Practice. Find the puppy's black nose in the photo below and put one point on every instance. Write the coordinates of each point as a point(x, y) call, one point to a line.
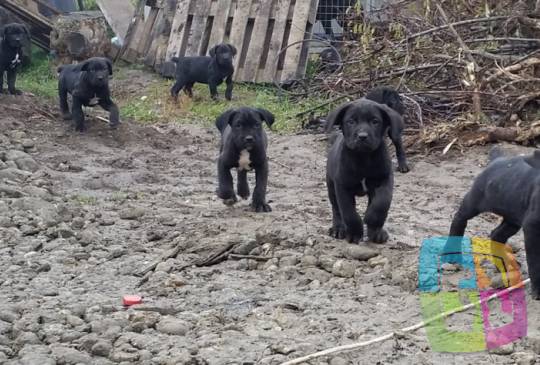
point(361, 136)
point(249, 139)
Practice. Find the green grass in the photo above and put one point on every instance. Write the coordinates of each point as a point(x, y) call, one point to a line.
point(156, 105)
point(153, 103)
point(38, 78)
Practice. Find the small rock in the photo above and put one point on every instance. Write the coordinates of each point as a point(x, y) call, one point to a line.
point(245, 248)
point(172, 326)
point(101, 348)
point(309, 261)
point(153, 236)
point(10, 192)
point(27, 164)
point(359, 252)
point(64, 231)
point(13, 155)
point(533, 340)
point(378, 261)
point(8, 316)
point(449, 267)
point(339, 361)
point(77, 223)
point(27, 143)
point(88, 237)
point(68, 355)
point(344, 268)
point(503, 350)
point(524, 358)
point(131, 213)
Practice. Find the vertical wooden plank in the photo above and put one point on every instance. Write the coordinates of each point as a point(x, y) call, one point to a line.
point(240, 20)
point(292, 58)
point(282, 9)
point(304, 54)
point(178, 29)
point(200, 17)
point(150, 54)
point(118, 14)
point(146, 34)
point(220, 22)
point(256, 44)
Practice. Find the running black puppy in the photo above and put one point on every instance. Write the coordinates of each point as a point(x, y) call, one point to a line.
point(243, 146)
point(359, 164)
point(211, 70)
point(389, 96)
point(88, 84)
point(509, 187)
point(12, 39)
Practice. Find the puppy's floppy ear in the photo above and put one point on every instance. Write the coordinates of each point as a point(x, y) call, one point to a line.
point(393, 120)
point(233, 49)
point(84, 66)
point(225, 119)
point(213, 51)
point(335, 117)
point(109, 66)
point(27, 31)
point(266, 116)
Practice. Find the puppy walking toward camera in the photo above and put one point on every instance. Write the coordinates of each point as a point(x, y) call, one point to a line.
point(390, 97)
point(359, 164)
point(211, 70)
point(243, 146)
point(12, 39)
point(88, 84)
point(509, 187)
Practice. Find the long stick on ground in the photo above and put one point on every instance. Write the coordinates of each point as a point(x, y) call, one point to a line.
point(354, 346)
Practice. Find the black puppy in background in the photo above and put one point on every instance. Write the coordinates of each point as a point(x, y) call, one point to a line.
point(88, 84)
point(359, 164)
point(390, 97)
point(509, 187)
point(243, 146)
point(12, 39)
point(211, 70)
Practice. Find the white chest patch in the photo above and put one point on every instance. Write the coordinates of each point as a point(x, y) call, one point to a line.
point(16, 61)
point(94, 101)
point(244, 161)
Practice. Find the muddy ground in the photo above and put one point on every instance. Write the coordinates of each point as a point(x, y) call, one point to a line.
point(82, 215)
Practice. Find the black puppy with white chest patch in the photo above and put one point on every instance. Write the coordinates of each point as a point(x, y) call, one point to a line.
point(390, 97)
point(243, 146)
point(211, 70)
point(510, 188)
point(12, 39)
point(359, 164)
point(88, 84)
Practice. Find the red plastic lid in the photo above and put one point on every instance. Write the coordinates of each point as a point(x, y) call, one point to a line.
point(128, 300)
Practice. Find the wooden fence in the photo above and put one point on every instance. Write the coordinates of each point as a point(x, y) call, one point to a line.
point(259, 29)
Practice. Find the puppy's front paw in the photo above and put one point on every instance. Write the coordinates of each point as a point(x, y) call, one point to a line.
point(337, 231)
point(377, 235)
point(66, 116)
point(403, 168)
point(261, 207)
point(15, 92)
point(230, 201)
point(243, 192)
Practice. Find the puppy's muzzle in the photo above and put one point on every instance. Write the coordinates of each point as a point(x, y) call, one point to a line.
point(361, 137)
point(249, 141)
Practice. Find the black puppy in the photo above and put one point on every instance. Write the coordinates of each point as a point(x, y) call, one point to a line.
point(389, 96)
point(88, 84)
point(12, 39)
point(211, 70)
point(243, 145)
point(509, 187)
point(359, 164)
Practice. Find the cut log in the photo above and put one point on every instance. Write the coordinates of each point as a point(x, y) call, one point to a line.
point(78, 36)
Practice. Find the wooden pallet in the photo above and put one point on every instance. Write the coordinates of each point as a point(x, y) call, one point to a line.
point(259, 29)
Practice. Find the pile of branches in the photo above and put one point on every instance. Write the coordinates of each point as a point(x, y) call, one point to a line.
point(461, 65)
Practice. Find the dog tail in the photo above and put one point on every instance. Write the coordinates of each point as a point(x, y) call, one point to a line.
point(495, 153)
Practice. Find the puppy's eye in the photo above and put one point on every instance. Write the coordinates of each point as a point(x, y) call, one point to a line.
point(375, 121)
point(350, 121)
point(238, 126)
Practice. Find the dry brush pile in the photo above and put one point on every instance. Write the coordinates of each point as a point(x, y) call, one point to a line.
point(469, 70)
